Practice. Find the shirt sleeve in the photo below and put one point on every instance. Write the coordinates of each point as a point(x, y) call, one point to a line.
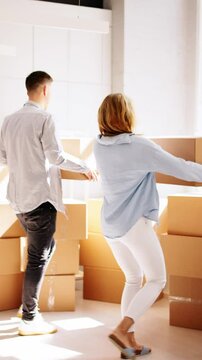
point(166, 163)
point(54, 153)
point(3, 158)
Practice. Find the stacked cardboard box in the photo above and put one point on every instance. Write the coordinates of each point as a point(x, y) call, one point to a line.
point(58, 293)
point(58, 289)
point(182, 247)
point(80, 147)
point(3, 172)
point(11, 278)
point(103, 279)
point(186, 302)
point(162, 225)
point(10, 227)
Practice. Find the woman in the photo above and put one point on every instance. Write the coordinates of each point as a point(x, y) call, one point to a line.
point(127, 163)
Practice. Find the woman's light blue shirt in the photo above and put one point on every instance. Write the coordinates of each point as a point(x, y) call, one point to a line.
point(127, 164)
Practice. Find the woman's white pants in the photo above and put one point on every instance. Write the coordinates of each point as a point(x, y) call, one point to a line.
point(139, 253)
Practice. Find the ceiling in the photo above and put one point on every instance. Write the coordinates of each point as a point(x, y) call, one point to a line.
point(88, 3)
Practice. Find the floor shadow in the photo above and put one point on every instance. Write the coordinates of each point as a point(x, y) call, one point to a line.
point(9, 333)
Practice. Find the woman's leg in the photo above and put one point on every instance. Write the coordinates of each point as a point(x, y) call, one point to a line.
point(131, 269)
point(143, 243)
point(144, 253)
point(133, 282)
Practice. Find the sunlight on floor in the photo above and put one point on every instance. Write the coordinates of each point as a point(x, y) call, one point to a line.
point(15, 349)
point(12, 320)
point(6, 327)
point(77, 324)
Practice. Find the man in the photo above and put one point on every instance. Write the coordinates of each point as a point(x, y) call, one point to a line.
point(27, 141)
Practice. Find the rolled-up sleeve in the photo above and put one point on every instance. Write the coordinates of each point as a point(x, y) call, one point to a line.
point(54, 153)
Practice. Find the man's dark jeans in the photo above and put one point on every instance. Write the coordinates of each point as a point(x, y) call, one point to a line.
point(39, 225)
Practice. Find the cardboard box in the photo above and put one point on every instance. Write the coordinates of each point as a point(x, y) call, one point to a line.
point(10, 227)
point(186, 148)
point(103, 284)
point(185, 287)
point(185, 306)
point(11, 291)
point(58, 293)
point(65, 259)
point(80, 147)
point(9, 256)
point(71, 226)
point(94, 215)
point(186, 314)
point(182, 255)
point(3, 172)
point(74, 224)
point(162, 225)
point(71, 175)
point(184, 215)
point(96, 252)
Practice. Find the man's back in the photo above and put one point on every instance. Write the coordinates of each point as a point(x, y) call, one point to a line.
point(22, 134)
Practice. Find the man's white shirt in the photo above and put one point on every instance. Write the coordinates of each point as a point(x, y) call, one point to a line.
point(30, 148)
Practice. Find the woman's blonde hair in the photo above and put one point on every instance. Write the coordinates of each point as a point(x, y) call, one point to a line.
point(116, 115)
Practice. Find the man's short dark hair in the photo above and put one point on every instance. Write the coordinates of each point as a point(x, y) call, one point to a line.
point(35, 79)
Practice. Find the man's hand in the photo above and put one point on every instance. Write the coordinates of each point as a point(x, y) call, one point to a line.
point(92, 175)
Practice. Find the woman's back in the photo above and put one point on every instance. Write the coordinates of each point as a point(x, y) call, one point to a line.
point(125, 164)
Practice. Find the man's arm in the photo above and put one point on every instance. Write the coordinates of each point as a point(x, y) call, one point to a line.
point(54, 153)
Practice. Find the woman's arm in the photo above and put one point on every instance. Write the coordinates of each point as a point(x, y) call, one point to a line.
point(166, 163)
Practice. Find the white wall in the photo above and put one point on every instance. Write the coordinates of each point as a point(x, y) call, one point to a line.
point(34, 35)
point(16, 54)
point(158, 70)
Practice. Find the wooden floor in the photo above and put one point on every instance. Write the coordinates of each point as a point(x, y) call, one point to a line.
point(83, 335)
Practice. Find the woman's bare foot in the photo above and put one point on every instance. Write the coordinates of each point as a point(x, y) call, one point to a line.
point(121, 333)
point(123, 339)
point(132, 341)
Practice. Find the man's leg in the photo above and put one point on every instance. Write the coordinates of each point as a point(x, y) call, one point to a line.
point(40, 227)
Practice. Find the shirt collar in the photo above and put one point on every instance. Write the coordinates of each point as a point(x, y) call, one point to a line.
point(33, 103)
point(123, 138)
